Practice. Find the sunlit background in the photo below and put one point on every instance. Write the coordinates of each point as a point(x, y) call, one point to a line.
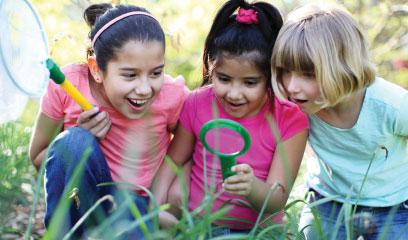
point(186, 23)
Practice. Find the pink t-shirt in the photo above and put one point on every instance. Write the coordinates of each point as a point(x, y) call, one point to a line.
point(134, 149)
point(202, 106)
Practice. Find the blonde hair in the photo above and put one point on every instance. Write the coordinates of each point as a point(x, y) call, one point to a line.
point(323, 41)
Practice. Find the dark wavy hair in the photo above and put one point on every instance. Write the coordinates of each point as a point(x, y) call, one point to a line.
point(137, 27)
point(232, 38)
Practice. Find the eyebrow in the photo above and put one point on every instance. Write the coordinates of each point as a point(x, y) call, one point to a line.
point(245, 78)
point(133, 69)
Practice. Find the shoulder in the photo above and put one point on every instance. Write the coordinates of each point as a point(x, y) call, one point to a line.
point(289, 118)
point(172, 93)
point(285, 108)
point(387, 93)
point(175, 84)
point(75, 73)
point(202, 94)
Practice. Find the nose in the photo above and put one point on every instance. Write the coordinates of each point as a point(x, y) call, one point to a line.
point(292, 83)
point(143, 88)
point(234, 93)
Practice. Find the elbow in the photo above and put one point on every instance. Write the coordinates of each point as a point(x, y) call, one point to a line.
point(34, 158)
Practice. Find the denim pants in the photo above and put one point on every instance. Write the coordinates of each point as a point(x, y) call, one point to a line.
point(74, 167)
point(368, 222)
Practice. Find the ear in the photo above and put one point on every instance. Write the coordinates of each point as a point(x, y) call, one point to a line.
point(94, 69)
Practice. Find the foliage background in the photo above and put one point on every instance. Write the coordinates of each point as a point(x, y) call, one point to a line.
point(186, 24)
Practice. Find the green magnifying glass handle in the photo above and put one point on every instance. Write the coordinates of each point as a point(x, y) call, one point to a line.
point(226, 164)
point(227, 160)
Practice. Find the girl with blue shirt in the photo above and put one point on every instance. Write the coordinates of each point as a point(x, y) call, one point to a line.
point(358, 125)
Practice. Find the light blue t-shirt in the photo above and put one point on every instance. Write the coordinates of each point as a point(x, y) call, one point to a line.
point(379, 137)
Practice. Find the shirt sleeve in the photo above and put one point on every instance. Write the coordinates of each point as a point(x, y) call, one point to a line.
point(186, 116)
point(179, 94)
point(52, 101)
point(401, 122)
point(292, 121)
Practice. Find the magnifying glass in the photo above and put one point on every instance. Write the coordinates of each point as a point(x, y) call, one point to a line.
point(227, 160)
point(25, 66)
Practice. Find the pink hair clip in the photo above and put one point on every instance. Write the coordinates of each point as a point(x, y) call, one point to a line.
point(247, 16)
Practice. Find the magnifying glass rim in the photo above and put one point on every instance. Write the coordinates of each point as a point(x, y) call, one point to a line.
point(44, 38)
point(232, 125)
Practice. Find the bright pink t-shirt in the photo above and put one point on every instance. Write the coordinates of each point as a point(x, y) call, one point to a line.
point(134, 149)
point(202, 106)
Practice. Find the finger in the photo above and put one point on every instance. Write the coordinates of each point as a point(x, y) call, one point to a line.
point(236, 179)
point(101, 133)
point(86, 115)
point(242, 168)
point(240, 188)
point(102, 128)
point(94, 121)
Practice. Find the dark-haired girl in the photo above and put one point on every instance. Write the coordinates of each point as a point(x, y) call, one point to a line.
point(125, 136)
point(237, 86)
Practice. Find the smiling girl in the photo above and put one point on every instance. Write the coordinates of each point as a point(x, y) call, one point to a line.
point(127, 132)
point(236, 76)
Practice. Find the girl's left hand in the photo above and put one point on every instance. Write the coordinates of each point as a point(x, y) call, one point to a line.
point(241, 183)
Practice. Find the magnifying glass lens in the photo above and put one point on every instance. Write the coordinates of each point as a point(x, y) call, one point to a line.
point(224, 140)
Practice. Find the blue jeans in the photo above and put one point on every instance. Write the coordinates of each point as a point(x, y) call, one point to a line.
point(75, 162)
point(218, 231)
point(368, 222)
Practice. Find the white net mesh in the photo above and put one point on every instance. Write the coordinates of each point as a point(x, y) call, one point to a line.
point(23, 52)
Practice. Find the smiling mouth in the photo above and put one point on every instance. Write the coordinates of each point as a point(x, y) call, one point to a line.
point(298, 101)
point(138, 102)
point(235, 105)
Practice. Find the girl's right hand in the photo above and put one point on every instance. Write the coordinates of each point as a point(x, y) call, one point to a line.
point(98, 123)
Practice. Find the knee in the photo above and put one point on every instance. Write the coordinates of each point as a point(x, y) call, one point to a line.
point(70, 145)
point(75, 136)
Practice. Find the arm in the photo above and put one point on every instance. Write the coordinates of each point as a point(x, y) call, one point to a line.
point(45, 129)
point(180, 151)
point(283, 171)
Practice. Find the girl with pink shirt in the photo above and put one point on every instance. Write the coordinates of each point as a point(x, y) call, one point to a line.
point(125, 136)
point(237, 86)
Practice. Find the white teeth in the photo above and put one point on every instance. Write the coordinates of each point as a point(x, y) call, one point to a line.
point(137, 101)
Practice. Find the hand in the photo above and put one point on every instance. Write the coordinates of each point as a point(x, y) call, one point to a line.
point(167, 220)
point(98, 123)
point(241, 183)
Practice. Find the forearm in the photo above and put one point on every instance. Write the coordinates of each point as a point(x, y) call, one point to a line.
point(162, 182)
point(39, 159)
point(259, 193)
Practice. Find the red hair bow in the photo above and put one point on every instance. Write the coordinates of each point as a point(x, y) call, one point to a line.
point(247, 16)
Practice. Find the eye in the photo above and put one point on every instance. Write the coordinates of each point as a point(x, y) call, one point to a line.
point(157, 73)
point(309, 75)
point(251, 83)
point(223, 79)
point(129, 75)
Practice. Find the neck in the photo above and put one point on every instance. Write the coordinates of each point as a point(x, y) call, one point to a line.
point(98, 93)
point(345, 114)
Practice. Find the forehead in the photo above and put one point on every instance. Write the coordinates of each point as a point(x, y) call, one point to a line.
point(236, 66)
point(140, 51)
point(246, 61)
point(293, 51)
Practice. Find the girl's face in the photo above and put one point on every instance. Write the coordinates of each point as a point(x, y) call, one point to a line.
point(239, 86)
point(302, 90)
point(134, 77)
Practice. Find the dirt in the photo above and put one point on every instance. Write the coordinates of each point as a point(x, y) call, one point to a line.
point(17, 224)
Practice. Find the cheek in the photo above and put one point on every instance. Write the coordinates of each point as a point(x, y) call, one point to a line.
point(314, 90)
point(284, 83)
point(219, 89)
point(156, 85)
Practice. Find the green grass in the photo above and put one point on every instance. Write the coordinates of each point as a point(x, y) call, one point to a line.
point(18, 181)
